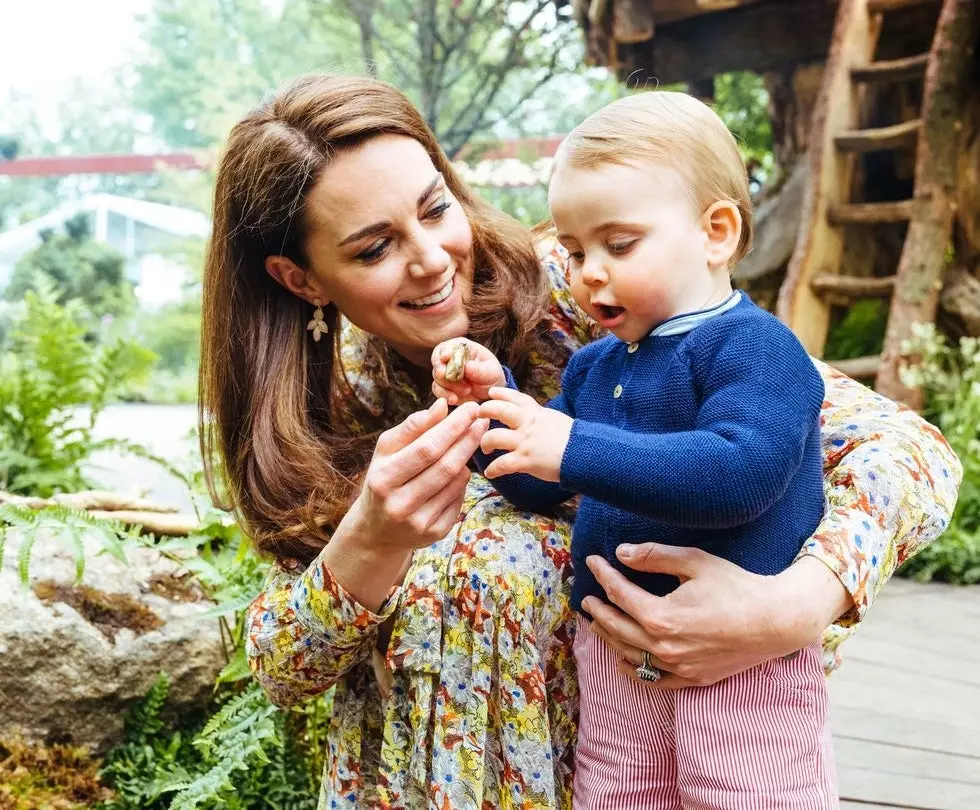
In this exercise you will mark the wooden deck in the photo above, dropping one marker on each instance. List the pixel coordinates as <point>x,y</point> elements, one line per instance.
<point>906,703</point>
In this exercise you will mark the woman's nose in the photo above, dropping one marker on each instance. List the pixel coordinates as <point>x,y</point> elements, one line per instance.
<point>430,259</point>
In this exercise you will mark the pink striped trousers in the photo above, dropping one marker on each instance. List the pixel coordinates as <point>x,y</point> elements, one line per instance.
<point>759,740</point>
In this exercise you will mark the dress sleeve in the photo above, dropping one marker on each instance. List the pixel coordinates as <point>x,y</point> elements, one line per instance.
<point>305,632</point>
<point>891,481</point>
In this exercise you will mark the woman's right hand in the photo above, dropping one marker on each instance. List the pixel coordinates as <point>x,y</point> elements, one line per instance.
<point>411,498</point>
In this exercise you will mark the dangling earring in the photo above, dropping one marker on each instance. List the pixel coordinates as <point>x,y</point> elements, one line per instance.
<point>317,326</point>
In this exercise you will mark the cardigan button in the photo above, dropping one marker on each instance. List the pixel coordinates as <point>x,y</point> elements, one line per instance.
<point>617,391</point>
<point>633,347</point>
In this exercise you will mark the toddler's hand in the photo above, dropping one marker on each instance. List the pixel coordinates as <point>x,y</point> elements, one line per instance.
<point>476,367</point>
<point>535,437</point>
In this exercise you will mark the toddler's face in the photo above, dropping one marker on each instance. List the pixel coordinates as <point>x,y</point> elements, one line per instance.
<point>638,247</point>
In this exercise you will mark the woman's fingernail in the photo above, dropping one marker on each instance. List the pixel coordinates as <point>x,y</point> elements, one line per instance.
<point>591,562</point>
<point>626,550</point>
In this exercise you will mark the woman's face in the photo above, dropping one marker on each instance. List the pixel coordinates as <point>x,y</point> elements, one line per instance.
<point>390,246</point>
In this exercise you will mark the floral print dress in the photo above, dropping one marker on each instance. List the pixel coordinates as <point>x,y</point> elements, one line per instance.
<point>484,706</point>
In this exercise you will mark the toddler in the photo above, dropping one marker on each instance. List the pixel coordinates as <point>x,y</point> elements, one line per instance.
<point>695,422</point>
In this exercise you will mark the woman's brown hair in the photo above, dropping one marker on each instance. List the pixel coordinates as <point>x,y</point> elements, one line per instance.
<point>267,440</point>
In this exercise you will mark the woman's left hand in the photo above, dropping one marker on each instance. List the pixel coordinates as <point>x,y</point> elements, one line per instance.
<point>721,620</point>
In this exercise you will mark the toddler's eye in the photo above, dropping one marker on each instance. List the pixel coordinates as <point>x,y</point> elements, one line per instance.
<point>576,255</point>
<point>620,248</point>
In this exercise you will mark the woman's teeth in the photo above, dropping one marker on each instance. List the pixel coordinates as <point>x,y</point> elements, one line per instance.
<point>429,300</point>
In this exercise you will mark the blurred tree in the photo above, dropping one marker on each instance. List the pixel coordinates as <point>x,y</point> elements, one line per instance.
<point>77,268</point>
<point>470,65</point>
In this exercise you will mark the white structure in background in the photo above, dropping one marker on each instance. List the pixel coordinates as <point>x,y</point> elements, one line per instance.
<point>146,233</point>
<point>506,172</point>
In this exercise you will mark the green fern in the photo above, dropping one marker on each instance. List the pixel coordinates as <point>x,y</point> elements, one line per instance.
<point>48,372</point>
<point>69,525</point>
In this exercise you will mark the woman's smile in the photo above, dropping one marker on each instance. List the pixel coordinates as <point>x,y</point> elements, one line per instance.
<point>437,302</point>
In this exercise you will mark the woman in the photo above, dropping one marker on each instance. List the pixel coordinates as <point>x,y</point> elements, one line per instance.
<point>333,199</point>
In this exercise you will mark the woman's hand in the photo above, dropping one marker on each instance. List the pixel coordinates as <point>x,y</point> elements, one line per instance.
<point>481,370</point>
<point>721,620</point>
<point>411,498</point>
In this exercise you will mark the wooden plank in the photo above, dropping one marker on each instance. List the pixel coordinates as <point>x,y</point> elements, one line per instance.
<point>853,286</point>
<point>937,666</point>
<point>892,70</point>
<point>632,21</point>
<point>879,138</point>
<point>872,213</point>
<point>910,696</point>
<point>920,268</point>
<point>909,631</point>
<point>820,245</point>
<point>849,805</point>
<point>862,723</point>
<point>919,792</point>
<point>857,368</point>
<point>896,759</point>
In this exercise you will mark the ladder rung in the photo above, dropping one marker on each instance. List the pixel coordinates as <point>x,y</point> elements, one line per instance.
<point>880,6</point>
<point>893,70</point>
<point>860,368</point>
<point>871,213</point>
<point>871,140</point>
<point>853,286</point>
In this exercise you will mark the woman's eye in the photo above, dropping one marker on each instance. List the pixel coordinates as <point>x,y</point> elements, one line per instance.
<point>437,211</point>
<point>619,248</point>
<point>375,251</point>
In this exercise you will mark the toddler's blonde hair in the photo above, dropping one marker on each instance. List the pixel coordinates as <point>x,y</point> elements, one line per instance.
<point>672,129</point>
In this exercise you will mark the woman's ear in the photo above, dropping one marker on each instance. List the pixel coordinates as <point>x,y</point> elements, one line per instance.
<point>722,225</point>
<point>294,278</point>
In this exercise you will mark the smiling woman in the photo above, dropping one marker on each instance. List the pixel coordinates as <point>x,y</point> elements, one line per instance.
<point>406,274</point>
<point>334,198</point>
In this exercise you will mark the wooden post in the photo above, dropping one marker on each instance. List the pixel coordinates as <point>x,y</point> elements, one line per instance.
<point>820,244</point>
<point>632,21</point>
<point>920,269</point>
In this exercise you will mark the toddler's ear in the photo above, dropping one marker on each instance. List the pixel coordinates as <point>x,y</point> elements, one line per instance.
<point>722,225</point>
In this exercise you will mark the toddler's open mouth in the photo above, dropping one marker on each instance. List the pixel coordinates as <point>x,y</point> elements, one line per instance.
<point>608,313</point>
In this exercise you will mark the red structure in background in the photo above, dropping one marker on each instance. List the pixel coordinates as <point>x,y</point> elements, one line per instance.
<point>103,164</point>
<point>523,148</point>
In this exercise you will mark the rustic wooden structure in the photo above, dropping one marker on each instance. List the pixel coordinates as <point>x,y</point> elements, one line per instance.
<point>879,100</point>
<point>814,270</point>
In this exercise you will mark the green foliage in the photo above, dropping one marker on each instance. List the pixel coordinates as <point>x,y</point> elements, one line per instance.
<point>742,102</point>
<point>79,268</point>
<point>69,525</point>
<point>860,333</point>
<point>48,373</point>
<point>245,753</point>
<point>950,376</point>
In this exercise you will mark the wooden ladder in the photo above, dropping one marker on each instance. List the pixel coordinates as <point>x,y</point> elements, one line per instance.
<point>813,279</point>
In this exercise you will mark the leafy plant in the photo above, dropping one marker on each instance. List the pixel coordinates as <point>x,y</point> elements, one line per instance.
<point>247,753</point>
<point>79,268</point>
<point>70,525</point>
<point>950,376</point>
<point>53,386</point>
<point>860,333</point>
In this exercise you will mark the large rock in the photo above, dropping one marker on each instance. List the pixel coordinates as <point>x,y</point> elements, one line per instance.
<point>74,658</point>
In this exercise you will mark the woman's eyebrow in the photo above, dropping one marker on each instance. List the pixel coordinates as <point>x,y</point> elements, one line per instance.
<point>378,227</point>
